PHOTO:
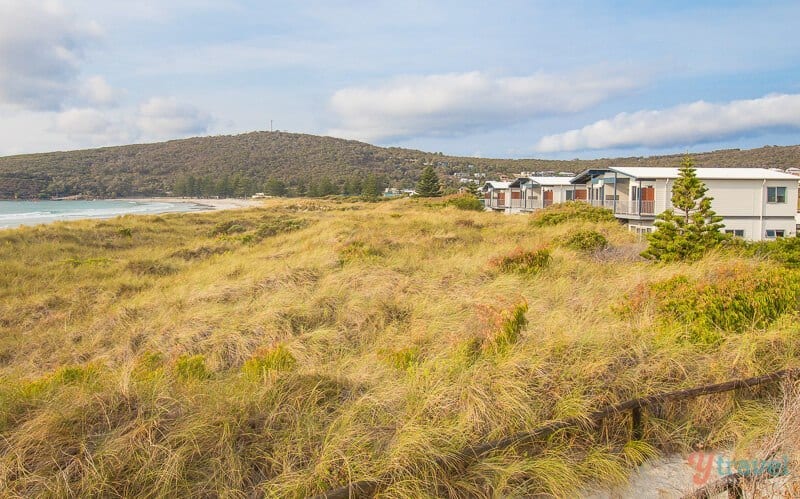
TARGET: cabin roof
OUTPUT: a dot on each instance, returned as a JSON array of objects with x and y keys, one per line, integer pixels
[
  {"x": 547, "y": 181},
  {"x": 702, "y": 173}
]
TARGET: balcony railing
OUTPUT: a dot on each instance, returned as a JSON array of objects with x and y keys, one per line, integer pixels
[{"x": 624, "y": 207}]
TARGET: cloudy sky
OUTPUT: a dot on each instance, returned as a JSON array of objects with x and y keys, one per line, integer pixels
[{"x": 510, "y": 79}]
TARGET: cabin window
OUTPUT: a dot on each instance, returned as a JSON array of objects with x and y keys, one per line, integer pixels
[
  {"x": 735, "y": 232},
  {"x": 773, "y": 233},
  {"x": 776, "y": 195},
  {"x": 570, "y": 195}
]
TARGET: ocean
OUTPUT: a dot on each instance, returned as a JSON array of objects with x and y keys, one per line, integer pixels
[{"x": 16, "y": 213}]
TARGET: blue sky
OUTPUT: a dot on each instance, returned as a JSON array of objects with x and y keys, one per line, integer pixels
[{"x": 510, "y": 79}]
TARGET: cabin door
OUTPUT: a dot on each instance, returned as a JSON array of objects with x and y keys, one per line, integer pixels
[
  {"x": 548, "y": 198},
  {"x": 580, "y": 194},
  {"x": 648, "y": 200}
]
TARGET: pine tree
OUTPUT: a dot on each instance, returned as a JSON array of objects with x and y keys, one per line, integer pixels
[
  {"x": 428, "y": 185},
  {"x": 472, "y": 189},
  {"x": 689, "y": 229},
  {"x": 370, "y": 188}
]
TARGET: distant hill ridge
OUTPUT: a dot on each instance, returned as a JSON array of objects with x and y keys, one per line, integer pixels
[{"x": 296, "y": 163}]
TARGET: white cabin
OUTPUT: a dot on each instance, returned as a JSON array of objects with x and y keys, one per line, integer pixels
[
  {"x": 754, "y": 203},
  {"x": 532, "y": 193}
]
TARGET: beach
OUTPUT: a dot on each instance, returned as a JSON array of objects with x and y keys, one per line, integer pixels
[
  {"x": 30, "y": 212},
  {"x": 208, "y": 204}
]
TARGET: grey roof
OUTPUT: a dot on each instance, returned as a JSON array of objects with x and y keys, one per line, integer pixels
[
  {"x": 495, "y": 184},
  {"x": 544, "y": 181},
  {"x": 702, "y": 173},
  {"x": 706, "y": 173}
]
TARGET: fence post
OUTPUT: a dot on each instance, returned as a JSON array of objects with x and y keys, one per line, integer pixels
[{"x": 636, "y": 423}]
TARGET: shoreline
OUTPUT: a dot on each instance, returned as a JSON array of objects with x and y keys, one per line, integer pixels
[{"x": 192, "y": 205}]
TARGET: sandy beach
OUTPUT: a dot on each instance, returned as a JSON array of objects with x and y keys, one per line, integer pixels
[{"x": 211, "y": 204}]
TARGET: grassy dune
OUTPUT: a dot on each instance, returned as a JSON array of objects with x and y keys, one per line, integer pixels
[{"x": 285, "y": 350}]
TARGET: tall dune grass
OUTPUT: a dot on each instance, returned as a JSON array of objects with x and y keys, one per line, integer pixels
[{"x": 288, "y": 349}]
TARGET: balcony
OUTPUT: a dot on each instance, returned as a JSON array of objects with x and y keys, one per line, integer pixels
[{"x": 623, "y": 207}]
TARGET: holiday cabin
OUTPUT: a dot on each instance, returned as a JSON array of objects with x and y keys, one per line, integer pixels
[
  {"x": 533, "y": 193},
  {"x": 754, "y": 203}
]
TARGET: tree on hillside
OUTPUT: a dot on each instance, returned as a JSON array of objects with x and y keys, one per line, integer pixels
[
  {"x": 275, "y": 187},
  {"x": 428, "y": 185},
  {"x": 690, "y": 228}
]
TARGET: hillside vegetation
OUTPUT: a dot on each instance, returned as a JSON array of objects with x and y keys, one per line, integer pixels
[
  {"x": 285, "y": 350},
  {"x": 286, "y": 164}
]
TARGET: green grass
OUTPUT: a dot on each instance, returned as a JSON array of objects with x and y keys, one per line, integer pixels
[{"x": 288, "y": 349}]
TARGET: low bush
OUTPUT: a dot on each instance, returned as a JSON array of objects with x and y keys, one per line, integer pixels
[
  {"x": 731, "y": 300},
  {"x": 278, "y": 358},
  {"x": 279, "y": 225},
  {"x": 523, "y": 262},
  {"x": 464, "y": 202},
  {"x": 228, "y": 227},
  {"x": 571, "y": 210},
  {"x": 151, "y": 267},
  {"x": 586, "y": 240},
  {"x": 513, "y": 321},
  {"x": 357, "y": 250},
  {"x": 191, "y": 367},
  {"x": 785, "y": 250},
  {"x": 402, "y": 359}
]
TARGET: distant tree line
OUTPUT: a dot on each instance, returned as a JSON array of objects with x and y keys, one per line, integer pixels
[{"x": 240, "y": 186}]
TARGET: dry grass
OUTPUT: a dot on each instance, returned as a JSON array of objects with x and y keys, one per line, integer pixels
[{"x": 233, "y": 354}]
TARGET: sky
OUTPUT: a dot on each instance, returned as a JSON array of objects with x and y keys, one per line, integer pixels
[{"x": 508, "y": 79}]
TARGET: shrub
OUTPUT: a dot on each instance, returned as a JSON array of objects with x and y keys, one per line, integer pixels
[
  {"x": 355, "y": 250},
  {"x": 191, "y": 367},
  {"x": 125, "y": 232},
  {"x": 278, "y": 358},
  {"x": 403, "y": 359},
  {"x": 151, "y": 267},
  {"x": 571, "y": 210},
  {"x": 200, "y": 252},
  {"x": 464, "y": 202},
  {"x": 503, "y": 328},
  {"x": 228, "y": 227},
  {"x": 586, "y": 240},
  {"x": 279, "y": 225},
  {"x": 785, "y": 250},
  {"x": 523, "y": 262},
  {"x": 67, "y": 375},
  {"x": 511, "y": 326},
  {"x": 89, "y": 262},
  {"x": 730, "y": 301},
  {"x": 148, "y": 365}
]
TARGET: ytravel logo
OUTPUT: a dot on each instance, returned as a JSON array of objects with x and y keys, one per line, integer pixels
[{"x": 706, "y": 463}]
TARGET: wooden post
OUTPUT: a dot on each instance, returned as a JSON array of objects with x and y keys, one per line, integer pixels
[{"x": 636, "y": 423}]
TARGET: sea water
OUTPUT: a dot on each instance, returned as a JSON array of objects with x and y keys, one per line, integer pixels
[{"x": 16, "y": 213}]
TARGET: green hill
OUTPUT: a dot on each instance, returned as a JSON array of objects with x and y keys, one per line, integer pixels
[{"x": 284, "y": 163}]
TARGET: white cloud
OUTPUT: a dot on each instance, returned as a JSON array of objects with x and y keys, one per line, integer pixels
[
  {"x": 456, "y": 103},
  {"x": 96, "y": 90},
  {"x": 77, "y": 122},
  {"x": 41, "y": 47},
  {"x": 165, "y": 117},
  {"x": 686, "y": 124}
]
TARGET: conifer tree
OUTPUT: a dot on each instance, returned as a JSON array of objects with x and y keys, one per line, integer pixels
[
  {"x": 690, "y": 228},
  {"x": 428, "y": 185},
  {"x": 472, "y": 189}
]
